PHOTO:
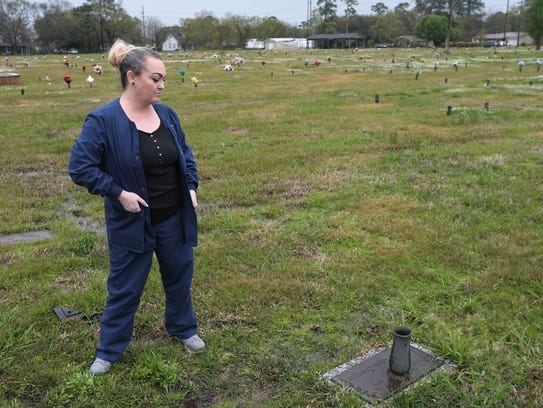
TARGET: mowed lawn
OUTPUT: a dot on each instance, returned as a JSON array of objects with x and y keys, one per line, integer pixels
[{"x": 336, "y": 202}]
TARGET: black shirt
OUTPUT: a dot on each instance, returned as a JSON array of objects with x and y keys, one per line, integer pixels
[{"x": 160, "y": 160}]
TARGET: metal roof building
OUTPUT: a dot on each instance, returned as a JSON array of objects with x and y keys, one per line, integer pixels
[{"x": 353, "y": 40}]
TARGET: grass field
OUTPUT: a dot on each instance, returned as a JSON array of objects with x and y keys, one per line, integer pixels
[{"x": 326, "y": 219}]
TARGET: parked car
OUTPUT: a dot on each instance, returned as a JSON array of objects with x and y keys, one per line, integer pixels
[{"x": 491, "y": 44}]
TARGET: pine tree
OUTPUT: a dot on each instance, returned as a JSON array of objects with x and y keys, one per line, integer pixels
[{"x": 534, "y": 22}]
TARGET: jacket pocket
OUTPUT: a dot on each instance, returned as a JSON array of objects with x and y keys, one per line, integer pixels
[{"x": 124, "y": 228}]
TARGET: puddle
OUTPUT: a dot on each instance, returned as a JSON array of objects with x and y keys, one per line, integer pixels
[{"x": 31, "y": 236}]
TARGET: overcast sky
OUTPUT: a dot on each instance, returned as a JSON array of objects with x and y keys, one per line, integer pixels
[{"x": 289, "y": 11}]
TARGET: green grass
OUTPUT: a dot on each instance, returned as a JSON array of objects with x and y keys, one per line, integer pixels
[{"x": 326, "y": 219}]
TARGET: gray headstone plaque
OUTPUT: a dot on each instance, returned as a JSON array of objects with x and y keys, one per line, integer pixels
[{"x": 370, "y": 374}]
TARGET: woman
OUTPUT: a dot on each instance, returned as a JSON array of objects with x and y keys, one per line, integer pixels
[{"x": 132, "y": 151}]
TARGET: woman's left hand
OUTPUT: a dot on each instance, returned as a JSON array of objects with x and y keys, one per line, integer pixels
[{"x": 193, "y": 198}]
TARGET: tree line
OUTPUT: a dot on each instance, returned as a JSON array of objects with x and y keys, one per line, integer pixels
[{"x": 57, "y": 26}]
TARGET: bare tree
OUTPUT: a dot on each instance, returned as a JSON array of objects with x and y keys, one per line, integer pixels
[
  {"x": 15, "y": 19},
  {"x": 55, "y": 26},
  {"x": 153, "y": 31}
]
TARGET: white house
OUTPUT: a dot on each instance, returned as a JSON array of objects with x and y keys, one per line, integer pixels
[{"x": 172, "y": 42}]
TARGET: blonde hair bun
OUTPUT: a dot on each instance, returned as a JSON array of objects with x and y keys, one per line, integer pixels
[{"x": 118, "y": 52}]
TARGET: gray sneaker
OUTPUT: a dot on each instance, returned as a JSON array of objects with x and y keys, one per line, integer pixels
[
  {"x": 100, "y": 367},
  {"x": 194, "y": 344}
]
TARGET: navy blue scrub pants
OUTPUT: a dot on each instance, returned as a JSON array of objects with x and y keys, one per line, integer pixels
[{"x": 128, "y": 273}]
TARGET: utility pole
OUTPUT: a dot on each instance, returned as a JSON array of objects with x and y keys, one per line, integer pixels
[
  {"x": 308, "y": 22},
  {"x": 101, "y": 27},
  {"x": 143, "y": 24},
  {"x": 505, "y": 24}
]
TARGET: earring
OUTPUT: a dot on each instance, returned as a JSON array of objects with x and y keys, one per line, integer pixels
[{"x": 133, "y": 83}]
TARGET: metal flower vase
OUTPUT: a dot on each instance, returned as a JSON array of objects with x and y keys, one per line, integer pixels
[{"x": 400, "y": 355}]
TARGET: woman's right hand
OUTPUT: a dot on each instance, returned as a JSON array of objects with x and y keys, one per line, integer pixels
[{"x": 131, "y": 202}]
